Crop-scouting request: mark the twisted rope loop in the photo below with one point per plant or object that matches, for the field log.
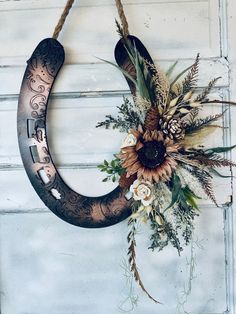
(69, 5)
(62, 19)
(122, 16)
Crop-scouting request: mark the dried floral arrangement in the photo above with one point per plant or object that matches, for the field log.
(162, 162)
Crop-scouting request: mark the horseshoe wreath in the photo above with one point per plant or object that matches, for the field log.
(162, 163)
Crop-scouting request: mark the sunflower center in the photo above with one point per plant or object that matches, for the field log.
(152, 154)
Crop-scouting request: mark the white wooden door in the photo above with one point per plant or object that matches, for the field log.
(50, 267)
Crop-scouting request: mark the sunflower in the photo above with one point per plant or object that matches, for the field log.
(147, 154)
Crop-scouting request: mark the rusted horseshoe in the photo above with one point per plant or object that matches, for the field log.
(40, 75)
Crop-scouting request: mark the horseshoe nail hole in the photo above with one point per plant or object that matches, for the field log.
(34, 153)
(55, 194)
(128, 195)
(43, 176)
(30, 127)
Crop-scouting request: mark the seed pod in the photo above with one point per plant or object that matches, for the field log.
(174, 129)
(159, 220)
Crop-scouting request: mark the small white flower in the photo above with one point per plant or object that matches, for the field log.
(130, 140)
(142, 191)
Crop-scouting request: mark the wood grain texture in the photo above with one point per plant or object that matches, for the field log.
(171, 30)
(21, 197)
(81, 270)
(231, 213)
(72, 131)
(102, 78)
(69, 267)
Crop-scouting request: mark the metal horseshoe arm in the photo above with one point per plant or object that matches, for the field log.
(91, 212)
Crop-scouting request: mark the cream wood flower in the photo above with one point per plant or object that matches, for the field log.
(142, 191)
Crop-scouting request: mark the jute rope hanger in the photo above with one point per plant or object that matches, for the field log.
(69, 5)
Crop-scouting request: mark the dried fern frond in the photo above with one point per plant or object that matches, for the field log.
(132, 259)
(207, 90)
(214, 160)
(185, 160)
(191, 79)
(193, 124)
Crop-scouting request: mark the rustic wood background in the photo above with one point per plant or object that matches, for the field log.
(50, 267)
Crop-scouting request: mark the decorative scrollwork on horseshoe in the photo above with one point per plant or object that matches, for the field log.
(40, 75)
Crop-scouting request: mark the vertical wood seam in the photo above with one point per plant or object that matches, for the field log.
(228, 216)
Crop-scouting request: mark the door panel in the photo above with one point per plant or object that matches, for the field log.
(48, 266)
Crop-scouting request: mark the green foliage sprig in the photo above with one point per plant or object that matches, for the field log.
(191, 79)
(113, 169)
(163, 235)
(184, 209)
(183, 196)
(184, 220)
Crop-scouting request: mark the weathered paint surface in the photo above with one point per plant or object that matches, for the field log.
(48, 266)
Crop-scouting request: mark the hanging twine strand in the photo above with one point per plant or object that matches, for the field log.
(122, 16)
(69, 5)
(62, 19)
